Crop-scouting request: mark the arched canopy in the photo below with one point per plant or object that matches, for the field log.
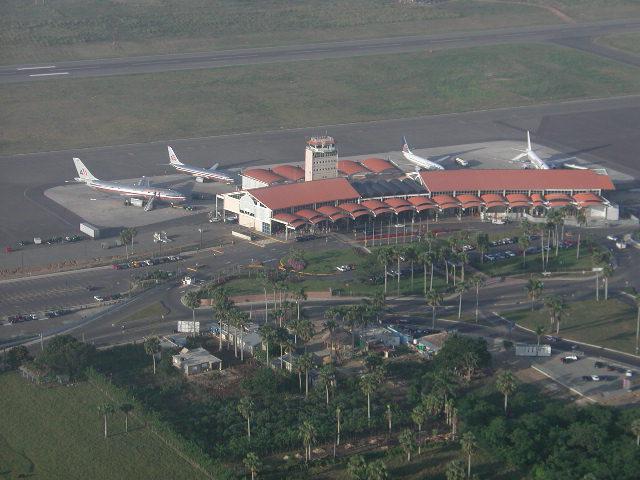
(289, 220)
(558, 199)
(469, 201)
(493, 200)
(311, 216)
(446, 201)
(518, 200)
(399, 205)
(377, 207)
(334, 213)
(355, 210)
(537, 200)
(587, 199)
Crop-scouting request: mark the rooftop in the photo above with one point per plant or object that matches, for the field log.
(292, 195)
(263, 175)
(196, 356)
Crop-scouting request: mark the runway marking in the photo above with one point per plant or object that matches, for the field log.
(48, 74)
(36, 68)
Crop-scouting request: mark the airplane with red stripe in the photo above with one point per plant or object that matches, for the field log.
(205, 173)
(148, 192)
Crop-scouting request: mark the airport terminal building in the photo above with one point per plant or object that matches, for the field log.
(287, 204)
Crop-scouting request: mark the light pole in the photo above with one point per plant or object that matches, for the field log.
(200, 230)
(266, 307)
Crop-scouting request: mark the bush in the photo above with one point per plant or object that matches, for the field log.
(65, 355)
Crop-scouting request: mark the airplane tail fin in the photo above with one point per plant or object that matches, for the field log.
(214, 167)
(173, 158)
(84, 174)
(405, 145)
(528, 141)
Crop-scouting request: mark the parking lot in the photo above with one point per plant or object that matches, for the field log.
(592, 377)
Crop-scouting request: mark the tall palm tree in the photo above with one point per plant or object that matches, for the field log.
(506, 384)
(561, 307)
(407, 442)
(534, 289)
(368, 384)
(635, 429)
(551, 302)
(482, 244)
(385, 255)
(607, 271)
(524, 243)
(253, 464)
(222, 305)
(267, 332)
(308, 433)
(378, 303)
(352, 316)
(637, 299)
(327, 376)
(418, 415)
(426, 258)
(126, 237)
(432, 404)
(377, 470)
(105, 410)
(581, 219)
(126, 408)
(338, 418)
(410, 254)
(463, 258)
(299, 294)
(330, 325)
(434, 299)
(246, 407)
(539, 332)
(461, 287)
(152, 348)
(478, 281)
(192, 301)
(469, 446)
(305, 331)
(306, 364)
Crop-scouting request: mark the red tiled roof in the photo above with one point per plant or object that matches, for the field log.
(537, 199)
(493, 200)
(376, 206)
(487, 180)
(334, 213)
(586, 199)
(446, 201)
(349, 167)
(263, 175)
(290, 172)
(558, 199)
(518, 200)
(420, 200)
(311, 215)
(399, 205)
(289, 219)
(307, 193)
(355, 210)
(378, 165)
(468, 201)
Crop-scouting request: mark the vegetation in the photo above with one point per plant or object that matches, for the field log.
(65, 355)
(629, 42)
(115, 110)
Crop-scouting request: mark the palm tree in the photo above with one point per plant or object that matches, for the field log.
(432, 404)
(299, 294)
(152, 347)
(327, 376)
(352, 316)
(245, 408)
(252, 463)
(241, 322)
(524, 243)
(268, 333)
(607, 271)
(305, 331)
(407, 442)
(637, 299)
(418, 415)
(635, 429)
(307, 432)
(192, 301)
(434, 299)
(368, 384)
(222, 305)
(410, 254)
(389, 417)
(377, 470)
(126, 237)
(506, 384)
(126, 408)
(357, 468)
(378, 304)
(330, 325)
(427, 258)
(581, 219)
(463, 258)
(534, 288)
(338, 413)
(306, 363)
(461, 287)
(482, 243)
(469, 446)
(455, 470)
(105, 410)
(561, 306)
(551, 302)
(539, 332)
(385, 255)
(477, 281)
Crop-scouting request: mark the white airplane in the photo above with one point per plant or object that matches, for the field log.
(199, 172)
(420, 161)
(142, 190)
(534, 160)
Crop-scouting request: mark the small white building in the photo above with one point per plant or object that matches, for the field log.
(196, 360)
(176, 340)
(431, 343)
(383, 336)
(526, 350)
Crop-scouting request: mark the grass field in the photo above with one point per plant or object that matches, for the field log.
(326, 261)
(565, 261)
(153, 311)
(73, 29)
(629, 42)
(139, 108)
(57, 432)
(585, 10)
(610, 323)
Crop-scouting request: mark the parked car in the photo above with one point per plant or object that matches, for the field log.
(599, 364)
(461, 161)
(98, 298)
(612, 237)
(595, 378)
(569, 358)
(344, 268)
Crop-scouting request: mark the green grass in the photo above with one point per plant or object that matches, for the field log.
(155, 311)
(57, 433)
(139, 108)
(629, 42)
(74, 29)
(585, 10)
(326, 261)
(608, 323)
(565, 262)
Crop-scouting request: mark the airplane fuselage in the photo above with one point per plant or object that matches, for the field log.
(203, 173)
(164, 194)
(536, 161)
(421, 162)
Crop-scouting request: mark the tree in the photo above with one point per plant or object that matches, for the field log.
(126, 237)
(299, 294)
(434, 299)
(385, 256)
(338, 413)
(368, 384)
(268, 333)
(469, 446)
(307, 432)
(152, 347)
(635, 429)
(407, 442)
(377, 470)
(524, 243)
(306, 363)
(357, 468)
(105, 410)
(410, 254)
(17, 356)
(534, 289)
(305, 331)
(607, 271)
(65, 355)
(418, 415)
(539, 332)
(637, 299)
(461, 287)
(581, 219)
(478, 281)
(126, 408)
(246, 407)
(253, 464)
(427, 258)
(455, 470)
(482, 243)
(506, 384)
(222, 306)
(327, 377)
(560, 307)
(192, 301)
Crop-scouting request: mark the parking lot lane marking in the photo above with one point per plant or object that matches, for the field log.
(36, 68)
(564, 385)
(48, 74)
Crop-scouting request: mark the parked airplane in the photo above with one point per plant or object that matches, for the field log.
(420, 161)
(142, 190)
(199, 172)
(535, 161)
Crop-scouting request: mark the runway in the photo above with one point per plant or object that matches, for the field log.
(604, 131)
(316, 51)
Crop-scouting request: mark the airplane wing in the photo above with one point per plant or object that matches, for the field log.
(440, 159)
(519, 158)
(214, 167)
(559, 161)
(144, 182)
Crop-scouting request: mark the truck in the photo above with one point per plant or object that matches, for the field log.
(90, 230)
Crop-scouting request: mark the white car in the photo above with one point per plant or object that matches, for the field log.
(613, 238)
(595, 378)
(498, 221)
(621, 245)
(461, 161)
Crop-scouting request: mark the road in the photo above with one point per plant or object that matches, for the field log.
(255, 56)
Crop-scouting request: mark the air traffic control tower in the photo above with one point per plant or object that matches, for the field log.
(320, 158)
